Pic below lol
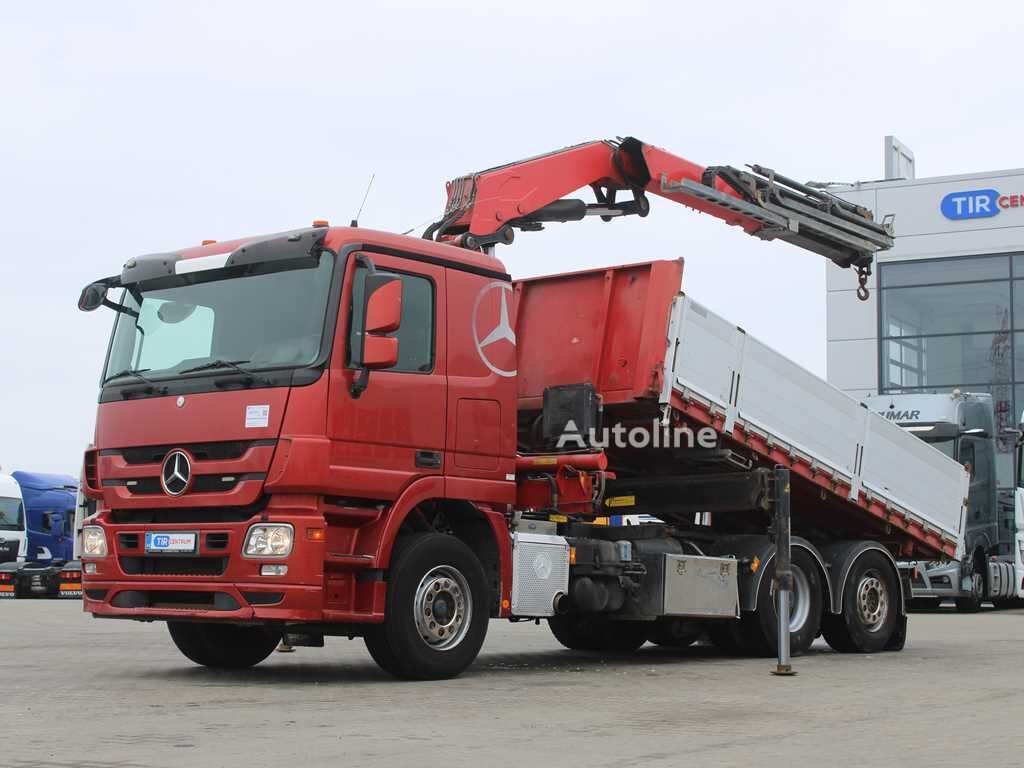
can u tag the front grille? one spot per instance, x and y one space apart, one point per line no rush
216 541
174 566
186 515
154 454
149 486
128 540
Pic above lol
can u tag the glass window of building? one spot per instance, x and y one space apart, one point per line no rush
956 323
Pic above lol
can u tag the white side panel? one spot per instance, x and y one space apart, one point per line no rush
755 385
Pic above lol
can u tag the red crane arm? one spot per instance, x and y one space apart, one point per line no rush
484 208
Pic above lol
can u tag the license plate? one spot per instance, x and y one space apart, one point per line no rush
170 542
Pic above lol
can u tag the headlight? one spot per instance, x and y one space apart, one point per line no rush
94 541
269 541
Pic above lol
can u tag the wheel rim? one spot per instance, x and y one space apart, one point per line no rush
443 607
872 601
799 600
977 585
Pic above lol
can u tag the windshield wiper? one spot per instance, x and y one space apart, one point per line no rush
136 372
214 364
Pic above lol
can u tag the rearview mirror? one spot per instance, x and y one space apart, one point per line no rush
173 312
383 303
380 352
93 296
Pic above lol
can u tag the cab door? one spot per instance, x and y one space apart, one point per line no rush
393 431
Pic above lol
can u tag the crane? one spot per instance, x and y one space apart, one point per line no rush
485 208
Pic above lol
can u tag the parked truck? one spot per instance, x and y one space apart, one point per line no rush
45 565
12 533
340 431
962 425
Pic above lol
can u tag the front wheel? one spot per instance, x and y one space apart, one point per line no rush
436 612
972 602
223 646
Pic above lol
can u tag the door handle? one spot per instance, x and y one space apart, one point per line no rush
428 459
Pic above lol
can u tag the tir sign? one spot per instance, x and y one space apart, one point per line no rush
973 204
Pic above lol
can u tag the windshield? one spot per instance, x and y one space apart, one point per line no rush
271 319
12 514
947 446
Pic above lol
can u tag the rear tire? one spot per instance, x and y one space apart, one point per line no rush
871 597
437 609
223 646
760 629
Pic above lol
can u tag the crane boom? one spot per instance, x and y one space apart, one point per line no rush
485 208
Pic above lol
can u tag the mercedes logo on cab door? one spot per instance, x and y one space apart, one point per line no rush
492 330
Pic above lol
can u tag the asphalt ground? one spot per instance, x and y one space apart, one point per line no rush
78 692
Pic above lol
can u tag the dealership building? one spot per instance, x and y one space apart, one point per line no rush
946 308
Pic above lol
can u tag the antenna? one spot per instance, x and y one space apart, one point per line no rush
355 221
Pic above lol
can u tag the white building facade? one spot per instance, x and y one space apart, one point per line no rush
947 302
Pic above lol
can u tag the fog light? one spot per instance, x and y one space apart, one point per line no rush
94 541
273 570
89 568
272 540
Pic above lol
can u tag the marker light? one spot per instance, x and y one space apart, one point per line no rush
274 540
94 541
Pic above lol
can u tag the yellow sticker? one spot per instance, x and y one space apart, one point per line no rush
620 501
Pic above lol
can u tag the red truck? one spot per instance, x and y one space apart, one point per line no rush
342 432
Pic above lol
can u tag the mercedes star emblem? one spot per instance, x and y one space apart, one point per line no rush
502 331
175 473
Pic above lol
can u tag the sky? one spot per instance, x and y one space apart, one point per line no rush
131 128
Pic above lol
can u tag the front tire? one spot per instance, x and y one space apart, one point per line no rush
972 602
437 609
223 646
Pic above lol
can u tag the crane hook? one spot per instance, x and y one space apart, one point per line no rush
862 282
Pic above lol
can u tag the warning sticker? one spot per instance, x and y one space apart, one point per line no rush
257 416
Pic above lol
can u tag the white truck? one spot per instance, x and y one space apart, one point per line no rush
12 533
962 426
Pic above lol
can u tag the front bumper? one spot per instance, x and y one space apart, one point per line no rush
216 582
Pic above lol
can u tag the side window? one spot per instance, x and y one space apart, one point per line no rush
416 333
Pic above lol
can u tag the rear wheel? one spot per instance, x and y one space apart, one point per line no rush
223 646
760 629
436 613
870 607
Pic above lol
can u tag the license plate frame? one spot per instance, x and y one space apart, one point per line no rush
171 542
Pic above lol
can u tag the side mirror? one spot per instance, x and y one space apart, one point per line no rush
383 303
93 296
382 314
380 352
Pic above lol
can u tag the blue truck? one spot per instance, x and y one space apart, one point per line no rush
46 565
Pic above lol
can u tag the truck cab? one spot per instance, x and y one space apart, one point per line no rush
12 533
47 568
962 426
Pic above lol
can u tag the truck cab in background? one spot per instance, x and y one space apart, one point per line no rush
12 533
46 567
962 426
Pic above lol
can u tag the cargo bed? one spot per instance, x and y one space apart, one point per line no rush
642 343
